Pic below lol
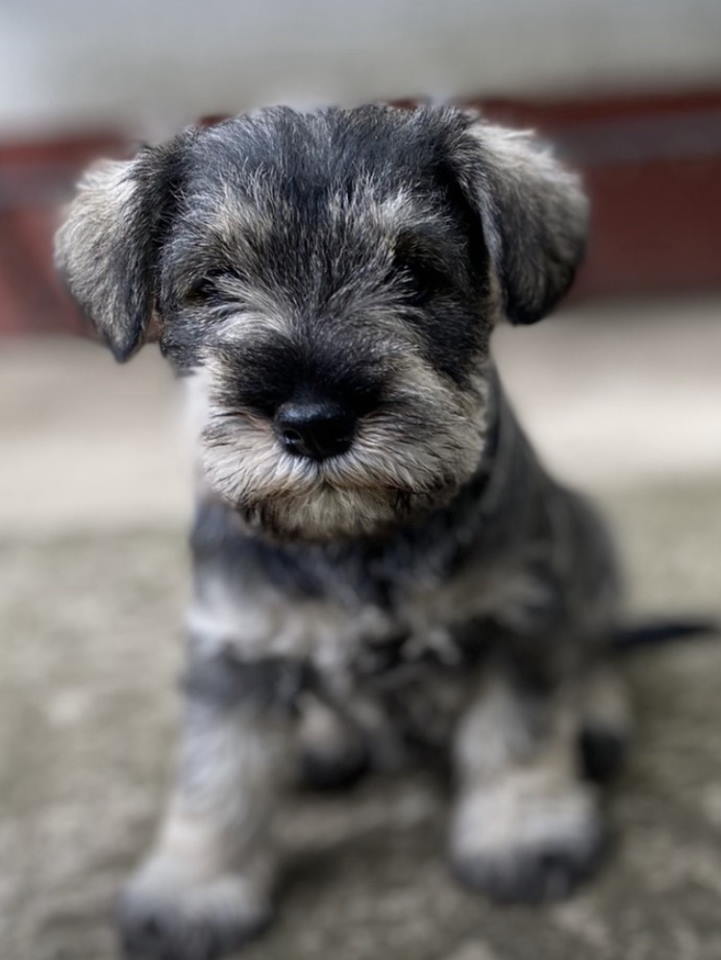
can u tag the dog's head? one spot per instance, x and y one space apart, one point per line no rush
330 282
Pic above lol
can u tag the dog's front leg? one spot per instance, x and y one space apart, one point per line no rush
525 826
206 886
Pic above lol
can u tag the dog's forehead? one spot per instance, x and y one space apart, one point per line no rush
325 167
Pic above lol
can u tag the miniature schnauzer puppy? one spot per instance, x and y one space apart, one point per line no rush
380 562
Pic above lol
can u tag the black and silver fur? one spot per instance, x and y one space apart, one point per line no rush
425 589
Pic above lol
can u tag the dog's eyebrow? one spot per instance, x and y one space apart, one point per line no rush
232 216
399 208
367 202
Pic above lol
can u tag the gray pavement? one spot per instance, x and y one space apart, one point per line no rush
93 573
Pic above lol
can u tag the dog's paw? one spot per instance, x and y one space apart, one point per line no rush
602 753
605 725
526 839
334 755
321 770
166 914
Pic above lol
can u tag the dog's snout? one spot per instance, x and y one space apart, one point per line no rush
314 429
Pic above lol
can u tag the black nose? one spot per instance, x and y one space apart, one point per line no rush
314 429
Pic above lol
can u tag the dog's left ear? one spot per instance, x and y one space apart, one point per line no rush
533 211
109 245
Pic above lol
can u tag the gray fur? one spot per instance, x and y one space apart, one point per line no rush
430 592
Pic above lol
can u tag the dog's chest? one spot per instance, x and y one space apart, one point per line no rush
348 634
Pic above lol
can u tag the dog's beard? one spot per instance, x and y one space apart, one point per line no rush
403 463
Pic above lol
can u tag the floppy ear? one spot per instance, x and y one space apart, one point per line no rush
534 216
109 245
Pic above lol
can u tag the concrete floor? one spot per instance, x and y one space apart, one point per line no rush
93 494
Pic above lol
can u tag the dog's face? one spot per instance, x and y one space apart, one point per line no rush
329 282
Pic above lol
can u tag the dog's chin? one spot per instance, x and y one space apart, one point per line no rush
331 514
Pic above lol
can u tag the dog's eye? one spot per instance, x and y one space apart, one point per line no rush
423 276
208 289
204 290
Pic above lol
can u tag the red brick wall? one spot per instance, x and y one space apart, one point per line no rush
35 180
652 166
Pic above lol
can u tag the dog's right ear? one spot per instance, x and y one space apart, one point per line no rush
108 247
533 212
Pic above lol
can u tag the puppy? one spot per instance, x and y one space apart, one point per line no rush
380 561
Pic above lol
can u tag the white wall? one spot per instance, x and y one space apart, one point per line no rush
155 64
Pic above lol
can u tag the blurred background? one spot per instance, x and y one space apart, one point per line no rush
621 390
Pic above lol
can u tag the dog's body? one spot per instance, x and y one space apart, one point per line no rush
380 561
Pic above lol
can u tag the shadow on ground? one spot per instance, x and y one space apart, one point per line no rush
91 647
